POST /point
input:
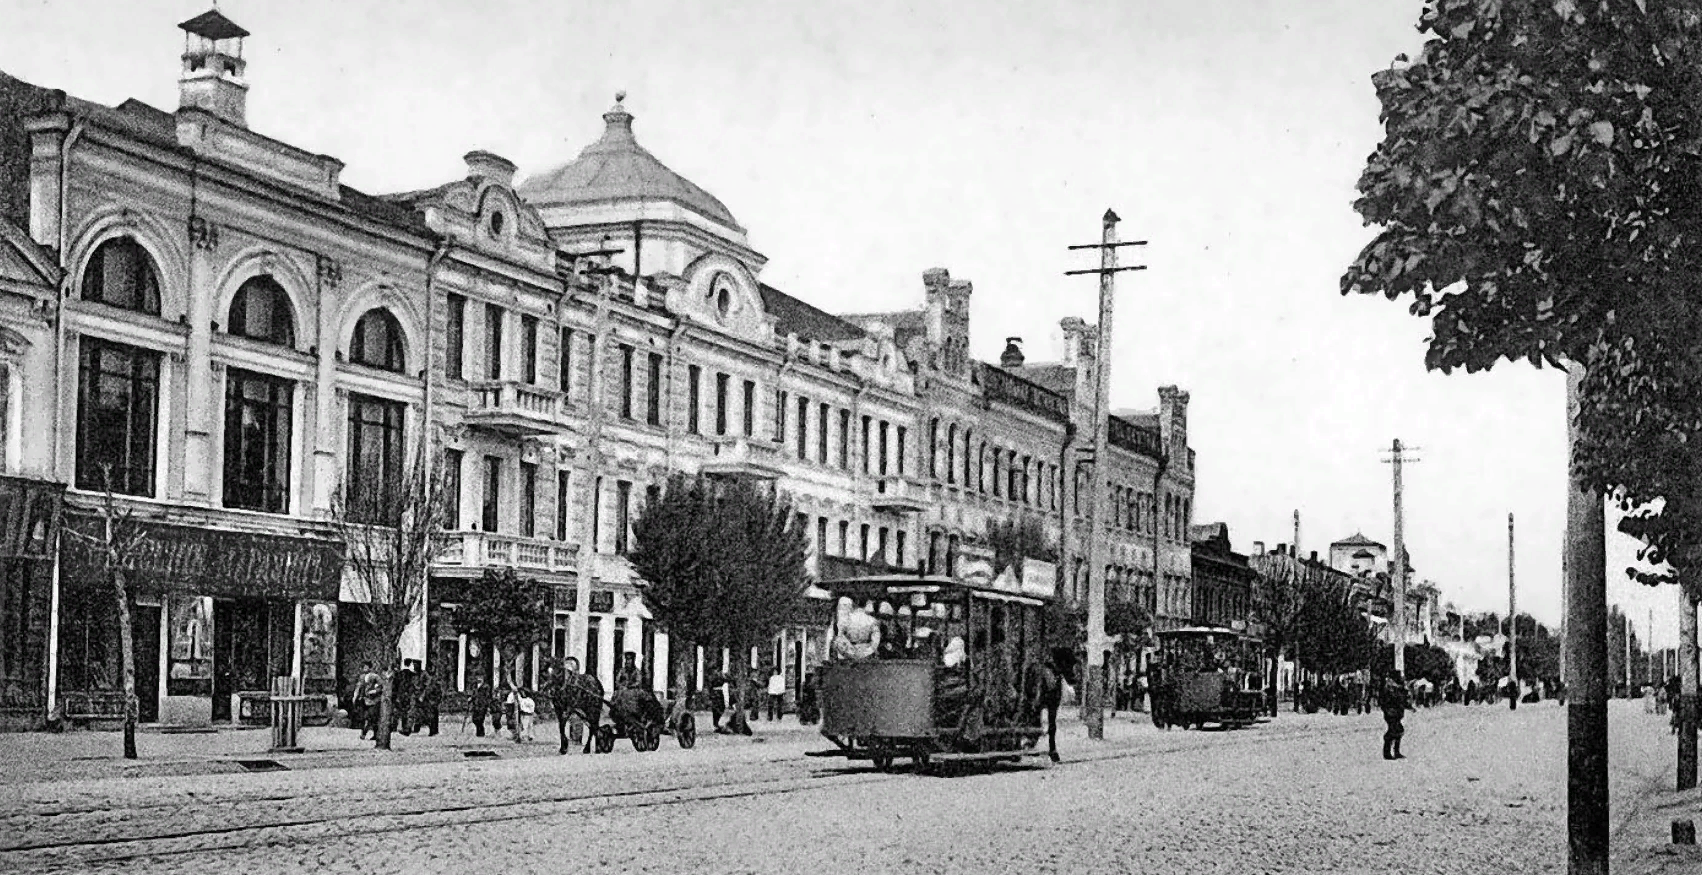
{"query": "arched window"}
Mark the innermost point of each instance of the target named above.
(951, 453)
(378, 342)
(121, 274)
(261, 311)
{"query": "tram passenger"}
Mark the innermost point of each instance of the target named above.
(859, 634)
(951, 686)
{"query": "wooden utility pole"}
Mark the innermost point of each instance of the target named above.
(1586, 660)
(1398, 622)
(1649, 649)
(1626, 618)
(1093, 705)
(1297, 553)
(1687, 680)
(596, 400)
(1512, 623)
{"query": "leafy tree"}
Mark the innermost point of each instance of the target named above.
(512, 613)
(1538, 193)
(1424, 661)
(722, 565)
(1332, 635)
(1016, 539)
(1279, 597)
(390, 532)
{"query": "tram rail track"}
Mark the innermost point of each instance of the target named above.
(379, 814)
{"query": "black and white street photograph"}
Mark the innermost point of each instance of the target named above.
(1168, 437)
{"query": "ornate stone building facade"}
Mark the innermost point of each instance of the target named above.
(207, 316)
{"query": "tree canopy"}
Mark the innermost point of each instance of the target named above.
(721, 560)
(510, 611)
(1538, 194)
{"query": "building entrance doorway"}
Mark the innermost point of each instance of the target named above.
(239, 651)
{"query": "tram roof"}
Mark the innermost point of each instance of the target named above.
(885, 583)
(1203, 630)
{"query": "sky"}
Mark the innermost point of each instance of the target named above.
(862, 143)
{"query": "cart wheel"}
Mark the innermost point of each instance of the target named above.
(883, 763)
(687, 732)
(654, 737)
(605, 739)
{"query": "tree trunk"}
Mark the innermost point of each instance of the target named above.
(386, 707)
(1687, 669)
(127, 662)
(682, 681)
(1275, 654)
(513, 678)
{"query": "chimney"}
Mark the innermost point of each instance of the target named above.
(1314, 555)
(213, 67)
(490, 166)
(935, 282)
(1012, 356)
(1258, 548)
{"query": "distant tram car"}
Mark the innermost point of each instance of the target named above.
(959, 673)
(1204, 675)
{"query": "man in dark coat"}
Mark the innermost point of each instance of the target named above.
(431, 700)
(402, 695)
(1396, 703)
(480, 704)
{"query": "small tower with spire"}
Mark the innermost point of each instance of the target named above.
(213, 67)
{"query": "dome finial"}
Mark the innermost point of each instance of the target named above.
(620, 96)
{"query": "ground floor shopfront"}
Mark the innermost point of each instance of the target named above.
(214, 615)
(29, 523)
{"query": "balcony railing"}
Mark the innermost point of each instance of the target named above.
(487, 550)
(515, 409)
(897, 494)
(1135, 438)
(747, 456)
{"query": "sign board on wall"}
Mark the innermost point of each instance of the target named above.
(1039, 578)
(208, 562)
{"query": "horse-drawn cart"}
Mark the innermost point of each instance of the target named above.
(638, 715)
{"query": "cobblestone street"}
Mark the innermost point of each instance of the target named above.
(1483, 790)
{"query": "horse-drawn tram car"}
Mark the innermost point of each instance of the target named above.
(1206, 675)
(938, 671)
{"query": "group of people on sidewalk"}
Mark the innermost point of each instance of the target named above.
(416, 700)
(718, 687)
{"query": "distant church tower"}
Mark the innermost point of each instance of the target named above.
(213, 66)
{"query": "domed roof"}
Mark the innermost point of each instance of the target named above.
(616, 169)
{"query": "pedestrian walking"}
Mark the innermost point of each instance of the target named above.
(1396, 703)
(717, 699)
(371, 696)
(402, 689)
(430, 701)
(528, 708)
(478, 705)
(809, 710)
(776, 694)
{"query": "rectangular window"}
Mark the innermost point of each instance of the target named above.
(374, 459)
(880, 546)
(452, 485)
(493, 493)
(597, 515)
(626, 381)
(821, 435)
(528, 498)
(803, 429)
(881, 432)
(529, 348)
(564, 362)
(694, 399)
(902, 434)
(845, 537)
(623, 515)
(652, 494)
(750, 409)
(868, 462)
(117, 405)
(653, 391)
(457, 339)
(821, 537)
(863, 541)
(721, 403)
(780, 417)
(493, 342)
(845, 439)
(258, 414)
(564, 502)
(898, 548)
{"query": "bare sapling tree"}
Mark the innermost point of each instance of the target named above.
(390, 522)
(115, 550)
